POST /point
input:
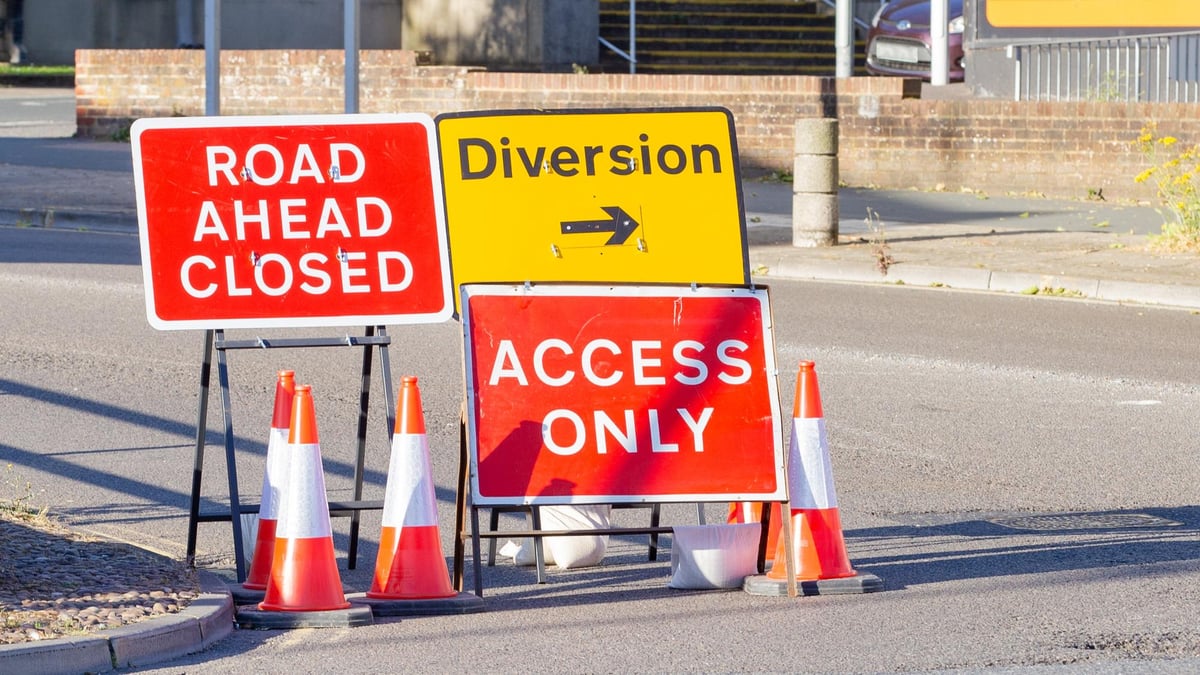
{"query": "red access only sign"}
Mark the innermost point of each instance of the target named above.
(601, 394)
(291, 221)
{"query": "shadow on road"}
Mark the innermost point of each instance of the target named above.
(1122, 543)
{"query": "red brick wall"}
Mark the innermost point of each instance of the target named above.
(888, 136)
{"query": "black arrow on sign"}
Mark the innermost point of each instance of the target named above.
(621, 224)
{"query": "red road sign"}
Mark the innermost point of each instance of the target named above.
(291, 221)
(602, 394)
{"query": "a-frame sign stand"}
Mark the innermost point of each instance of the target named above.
(346, 228)
(214, 340)
(502, 449)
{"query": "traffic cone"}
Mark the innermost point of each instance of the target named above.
(304, 575)
(822, 565)
(410, 573)
(751, 512)
(272, 486)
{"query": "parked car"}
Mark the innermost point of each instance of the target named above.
(899, 42)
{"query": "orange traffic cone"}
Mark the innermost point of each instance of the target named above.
(751, 512)
(273, 480)
(304, 575)
(410, 573)
(410, 563)
(822, 565)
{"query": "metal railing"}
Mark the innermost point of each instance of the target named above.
(631, 56)
(1162, 68)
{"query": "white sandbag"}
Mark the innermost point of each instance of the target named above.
(565, 552)
(521, 552)
(578, 551)
(713, 556)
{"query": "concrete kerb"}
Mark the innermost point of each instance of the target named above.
(197, 627)
(908, 275)
(70, 219)
(961, 278)
(1186, 297)
(64, 655)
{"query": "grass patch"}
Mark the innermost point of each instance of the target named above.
(16, 496)
(10, 70)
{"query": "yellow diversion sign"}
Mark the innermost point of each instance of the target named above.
(1093, 13)
(594, 196)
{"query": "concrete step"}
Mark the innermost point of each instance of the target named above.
(749, 36)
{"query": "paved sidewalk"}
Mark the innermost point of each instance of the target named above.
(978, 242)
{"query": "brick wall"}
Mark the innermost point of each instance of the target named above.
(889, 137)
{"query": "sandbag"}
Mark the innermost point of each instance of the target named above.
(566, 552)
(713, 556)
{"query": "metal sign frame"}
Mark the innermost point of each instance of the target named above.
(374, 337)
(470, 498)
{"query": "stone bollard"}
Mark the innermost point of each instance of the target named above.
(815, 183)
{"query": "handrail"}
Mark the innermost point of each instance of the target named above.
(631, 57)
(1158, 67)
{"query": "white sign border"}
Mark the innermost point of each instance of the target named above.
(235, 121)
(759, 292)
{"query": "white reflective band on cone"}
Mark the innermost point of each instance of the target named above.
(304, 513)
(275, 475)
(810, 474)
(409, 500)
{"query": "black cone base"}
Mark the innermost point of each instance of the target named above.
(859, 583)
(461, 603)
(250, 616)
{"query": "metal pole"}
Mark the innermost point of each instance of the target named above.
(350, 43)
(843, 38)
(632, 36)
(212, 57)
(939, 35)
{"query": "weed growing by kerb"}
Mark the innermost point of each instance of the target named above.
(1174, 170)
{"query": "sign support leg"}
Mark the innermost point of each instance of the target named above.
(235, 507)
(198, 461)
(460, 505)
(789, 553)
(476, 551)
(385, 367)
(364, 401)
(539, 551)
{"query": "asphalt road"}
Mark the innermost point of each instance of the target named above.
(1021, 473)
(36, 112)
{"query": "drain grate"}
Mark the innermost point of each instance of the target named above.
(1084, 521)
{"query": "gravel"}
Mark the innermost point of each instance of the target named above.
(55, 582)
